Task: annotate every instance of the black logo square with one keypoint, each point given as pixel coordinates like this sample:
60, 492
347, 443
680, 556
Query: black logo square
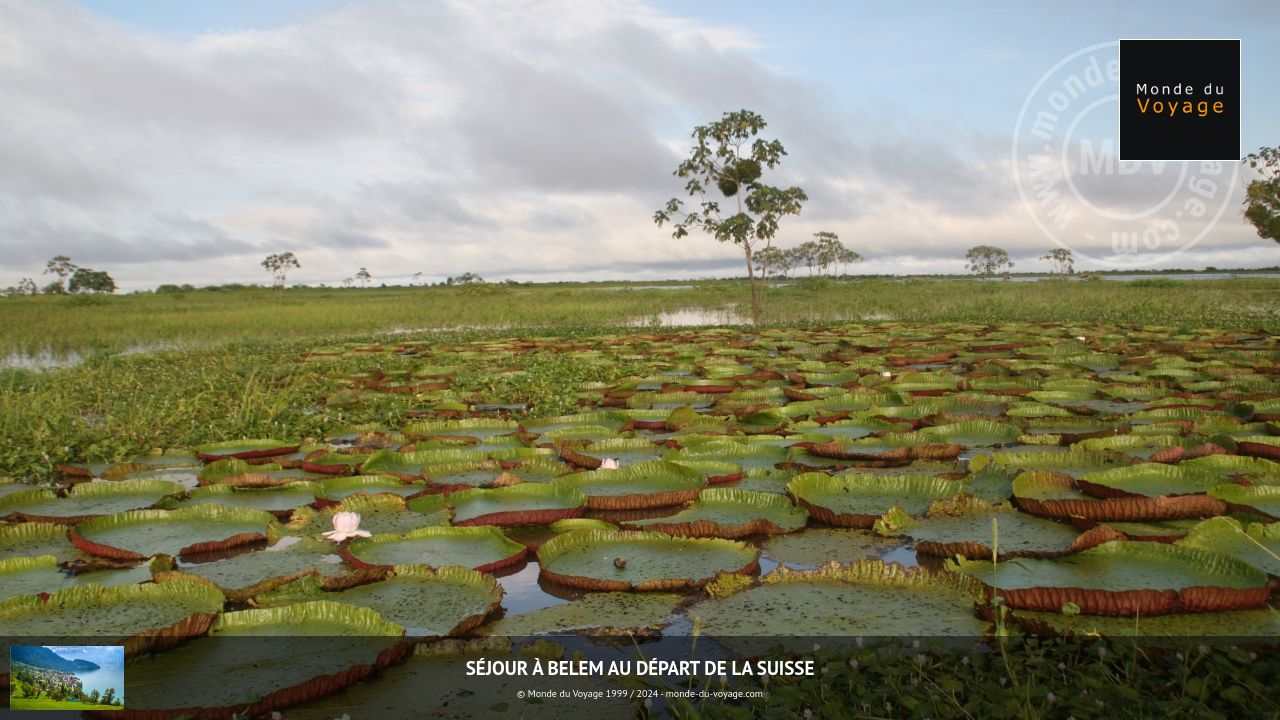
1180, 100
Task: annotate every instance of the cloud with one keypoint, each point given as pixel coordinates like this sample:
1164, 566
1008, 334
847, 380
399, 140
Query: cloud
509, 139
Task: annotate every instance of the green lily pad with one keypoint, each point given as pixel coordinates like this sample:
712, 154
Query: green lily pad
636, 487
1125, 578
974, 433
1255, 543
729, 513
138, 534
425, 601
857, 500
819, 546
973, 531
31, 538
338, 488
1264, 499
243, 449
1149, 480
482, 548
523, 504
605, 613
603, 560
88, 499
31, 575
244, 575
115, 612
332, 646
380, 514
1252, 624
868, 598
273, 499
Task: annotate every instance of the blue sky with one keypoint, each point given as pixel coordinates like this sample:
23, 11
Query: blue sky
183, 141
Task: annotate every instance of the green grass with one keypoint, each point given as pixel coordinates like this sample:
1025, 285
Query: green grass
45, 703
17, 702
96, 324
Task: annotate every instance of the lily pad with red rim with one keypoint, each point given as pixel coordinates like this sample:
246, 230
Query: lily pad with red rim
138, 534
521, 504
857, 500
1125, 578
244, 449
729, 513
483, 548
425, 601
636, 487
648, 561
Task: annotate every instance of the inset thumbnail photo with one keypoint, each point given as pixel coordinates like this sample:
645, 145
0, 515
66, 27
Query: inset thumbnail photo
66, 677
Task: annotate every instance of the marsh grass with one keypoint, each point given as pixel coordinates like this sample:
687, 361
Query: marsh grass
32, 325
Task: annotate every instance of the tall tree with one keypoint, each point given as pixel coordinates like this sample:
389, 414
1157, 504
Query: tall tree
1060, 260
94, 281
729, 156
279, 265
364, 277
62, 267
987, 260
771, 258
1262, 196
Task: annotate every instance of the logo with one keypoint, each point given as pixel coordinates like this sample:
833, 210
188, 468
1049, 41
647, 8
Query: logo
1067, 167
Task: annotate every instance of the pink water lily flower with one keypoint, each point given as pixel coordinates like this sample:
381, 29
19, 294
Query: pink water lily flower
346, 525
609, 464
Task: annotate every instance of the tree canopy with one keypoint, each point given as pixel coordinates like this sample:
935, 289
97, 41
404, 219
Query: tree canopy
1262, 196
729, 156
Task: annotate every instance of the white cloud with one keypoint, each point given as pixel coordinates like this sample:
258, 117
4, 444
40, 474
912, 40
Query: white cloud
518, 140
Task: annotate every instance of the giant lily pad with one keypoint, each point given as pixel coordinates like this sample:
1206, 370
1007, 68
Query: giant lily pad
1263, 499
865, 598
340, 487
1255, 543
138, 534
618, 560
331, 646
244, 575
425, 601
279, 500
31, 538
1252, 624
87, 500
1056, 495
244, 449
482, 548
636, 487
143, 616
819, 546
972, 529
1125, 578
379, 514
523, 504
729, 513
42, 574
1148, 480
857, 500
605, 613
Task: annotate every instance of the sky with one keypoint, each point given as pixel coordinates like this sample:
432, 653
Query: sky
182, 142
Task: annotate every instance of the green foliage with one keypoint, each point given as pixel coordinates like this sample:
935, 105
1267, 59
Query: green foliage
85, 280
987, 260
1262, 196
1055, 678
729, 155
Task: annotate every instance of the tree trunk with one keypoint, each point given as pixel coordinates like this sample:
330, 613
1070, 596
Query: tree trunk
757, 302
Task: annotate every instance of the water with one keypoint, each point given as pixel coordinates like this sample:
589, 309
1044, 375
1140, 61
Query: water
103, 678
48, 360
692, 317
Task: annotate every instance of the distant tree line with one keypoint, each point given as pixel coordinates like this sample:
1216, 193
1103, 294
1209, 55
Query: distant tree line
69, 278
